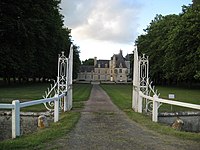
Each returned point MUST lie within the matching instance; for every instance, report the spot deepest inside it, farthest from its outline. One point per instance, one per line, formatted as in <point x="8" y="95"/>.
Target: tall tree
<point x="88" y="62"/>
<point x="172" y="43"/>
<point x="32" y="34"/>
<point x="196" y="2"/>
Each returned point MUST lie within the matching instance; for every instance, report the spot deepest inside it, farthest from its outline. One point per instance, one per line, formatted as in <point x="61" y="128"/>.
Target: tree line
<point x="32" y="35"/>
<point x="172" y="43"/>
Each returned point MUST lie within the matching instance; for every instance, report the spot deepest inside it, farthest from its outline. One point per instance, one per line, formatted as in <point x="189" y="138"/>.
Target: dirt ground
<point x="103" y="126"/>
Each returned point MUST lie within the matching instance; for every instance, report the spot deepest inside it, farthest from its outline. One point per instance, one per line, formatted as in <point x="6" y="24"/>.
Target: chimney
<point x="95" y="61"/>
<point x="120" y="52"/>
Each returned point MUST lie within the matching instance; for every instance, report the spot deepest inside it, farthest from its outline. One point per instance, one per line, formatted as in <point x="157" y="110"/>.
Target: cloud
<point x="104" y="20"/>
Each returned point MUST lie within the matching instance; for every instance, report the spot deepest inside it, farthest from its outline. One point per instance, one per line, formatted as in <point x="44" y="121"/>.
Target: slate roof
<point x="120" y="63"/>
<point x="120" y="60"/>
<point x="84" y="68"/>
<point x="102" y="64"/>
<point x="129" y="57"/>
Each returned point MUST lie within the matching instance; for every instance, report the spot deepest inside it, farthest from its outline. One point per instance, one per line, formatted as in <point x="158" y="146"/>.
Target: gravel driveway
<point x="103" y="126"/>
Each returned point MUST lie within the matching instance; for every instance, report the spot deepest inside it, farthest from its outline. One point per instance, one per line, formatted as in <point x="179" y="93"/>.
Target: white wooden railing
<point x="16" y="105"/>
<point x="62" y="89"/>
<point x="142" y="89"/>
<point x="156" y="102"/>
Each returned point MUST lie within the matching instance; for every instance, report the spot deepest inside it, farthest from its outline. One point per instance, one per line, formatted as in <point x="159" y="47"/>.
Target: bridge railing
<point x="156" y="104"/>
<point x="16" y="105"/>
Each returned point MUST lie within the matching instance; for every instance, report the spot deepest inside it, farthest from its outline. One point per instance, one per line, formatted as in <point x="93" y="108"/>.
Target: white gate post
<point x="64" y="82"/>
<point x="135" y="92"/>
<point x="69" y="93"/>
<point x="140" y="103"/>
<point x="155" y="109"/>
<point x="16" y="119"/>
<point x="56" y="108"/>
<point x="66" y="100"/>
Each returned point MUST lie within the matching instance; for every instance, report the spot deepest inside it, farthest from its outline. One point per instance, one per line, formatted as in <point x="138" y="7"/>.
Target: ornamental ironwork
<point x="141" y="83"/>
<point x="63" y="83"/>
<point x="143" y="73"/>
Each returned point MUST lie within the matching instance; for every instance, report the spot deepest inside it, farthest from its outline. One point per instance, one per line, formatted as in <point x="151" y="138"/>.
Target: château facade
<point x="117" y="69"/>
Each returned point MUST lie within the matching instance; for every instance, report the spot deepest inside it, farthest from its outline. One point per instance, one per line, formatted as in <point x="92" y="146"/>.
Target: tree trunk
<point x="14" y="79"/>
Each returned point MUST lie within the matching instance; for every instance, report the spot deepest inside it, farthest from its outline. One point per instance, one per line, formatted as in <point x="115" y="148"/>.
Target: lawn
<point x="181" y="94"/>
<point x="37" y="140"/>
<point x="121" y="96"/>
<point x="23" y="92"/>
<point x="187" y="95"/>
<point x="29" y="92"/>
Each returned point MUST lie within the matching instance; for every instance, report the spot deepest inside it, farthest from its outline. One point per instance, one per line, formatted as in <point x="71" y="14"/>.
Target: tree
<point x="196" y="2"/>
<point x="155" y="43"/>
<point x="32" y="35"/>
<point x="88" y="62"/>
<point x="76" y="61"/>
<point x="172" y="43"/>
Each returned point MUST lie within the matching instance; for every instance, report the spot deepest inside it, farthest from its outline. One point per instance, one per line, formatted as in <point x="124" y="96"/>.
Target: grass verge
<point x="37" y="139"/>
<point x="121" y="96"/>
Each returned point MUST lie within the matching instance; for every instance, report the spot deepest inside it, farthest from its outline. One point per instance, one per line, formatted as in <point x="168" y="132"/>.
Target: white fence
<point x="156" y="102"/>
<point x="61" y="91"/>
<point x="16" y="105"/>
<point x="142" y="90"/>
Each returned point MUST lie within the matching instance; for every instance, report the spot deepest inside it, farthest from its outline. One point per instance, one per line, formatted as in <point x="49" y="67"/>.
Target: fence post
<point x="69" y="97"/>
<point x="70" y="77"/>
<point x="139" y="103"/>
<point x="66" y="103"/>
<point x="16" y="119"/>
<point x="56" y="108"/>
<point x="155" y="109"/>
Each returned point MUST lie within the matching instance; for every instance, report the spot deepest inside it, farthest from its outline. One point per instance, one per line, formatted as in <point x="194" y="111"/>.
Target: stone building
<point x="117" y="69"/>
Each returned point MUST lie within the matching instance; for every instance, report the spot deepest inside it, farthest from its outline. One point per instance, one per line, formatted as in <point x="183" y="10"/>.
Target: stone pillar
<point x="135" y="92"/>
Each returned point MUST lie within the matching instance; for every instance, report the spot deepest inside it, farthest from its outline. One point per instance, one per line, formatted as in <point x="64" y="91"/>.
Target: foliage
<point x="88" y="62"/>
<point x="76" y="61"/>
<point x="196" y="2"/>
<point x="121" y="96"/>
<point x="32" y="35"/>
<point x="172" y="44"/>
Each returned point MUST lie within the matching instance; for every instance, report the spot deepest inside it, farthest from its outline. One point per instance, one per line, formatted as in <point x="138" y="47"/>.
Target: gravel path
<point x="103" y="126"/>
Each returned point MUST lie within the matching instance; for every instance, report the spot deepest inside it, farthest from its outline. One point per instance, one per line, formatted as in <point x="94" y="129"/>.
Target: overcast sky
<point x="102" y="27"/>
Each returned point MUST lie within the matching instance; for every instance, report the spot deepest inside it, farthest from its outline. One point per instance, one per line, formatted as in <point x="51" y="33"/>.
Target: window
<point x="120" y="70"/>
<point x="120" y="65"/>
